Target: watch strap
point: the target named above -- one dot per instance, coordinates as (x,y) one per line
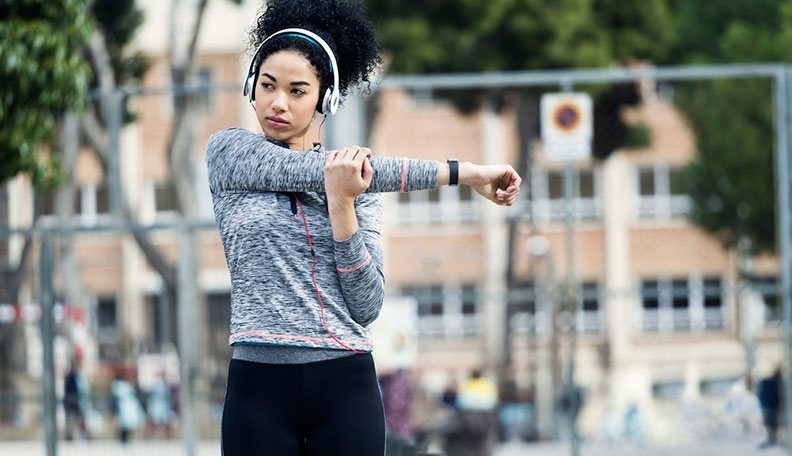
(453,168)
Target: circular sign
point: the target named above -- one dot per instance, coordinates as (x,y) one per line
(567,116)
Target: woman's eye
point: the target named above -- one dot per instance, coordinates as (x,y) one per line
(298,92)
(266,85)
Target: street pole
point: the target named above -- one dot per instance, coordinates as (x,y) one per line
(570,191)
(47,298)
(570,295)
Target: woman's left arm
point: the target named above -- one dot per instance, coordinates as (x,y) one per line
(358,257)
(356,221)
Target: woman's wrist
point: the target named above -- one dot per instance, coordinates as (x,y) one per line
(467,173)
(343,218)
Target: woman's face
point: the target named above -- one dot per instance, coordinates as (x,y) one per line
(287,91)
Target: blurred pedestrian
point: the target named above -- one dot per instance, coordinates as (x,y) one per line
(76,400)
(770,395)
(302,233)
(471,427)
(128,409)
(633,426)
(397,395)
(450,394)
(160,406)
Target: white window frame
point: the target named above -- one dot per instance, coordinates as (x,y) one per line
(661,205)
(448,210)
(89,213)
(452,322)
(695,318)
(545,208)
(590,321)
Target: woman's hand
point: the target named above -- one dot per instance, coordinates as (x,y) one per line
(348,173)
(498,183)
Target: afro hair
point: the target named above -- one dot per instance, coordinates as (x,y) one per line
(343,24)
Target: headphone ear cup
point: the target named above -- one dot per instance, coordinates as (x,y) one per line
(250,87)
(325,102)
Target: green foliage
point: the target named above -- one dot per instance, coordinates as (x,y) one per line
(501,35)
(430,36)
(43,75)
(731,181)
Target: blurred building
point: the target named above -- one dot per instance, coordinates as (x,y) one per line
(657,312)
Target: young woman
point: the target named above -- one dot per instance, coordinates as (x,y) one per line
(302,233)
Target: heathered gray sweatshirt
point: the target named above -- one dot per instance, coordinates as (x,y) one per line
(259,189)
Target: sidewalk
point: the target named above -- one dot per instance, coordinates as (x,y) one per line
(727,448)
(212,448)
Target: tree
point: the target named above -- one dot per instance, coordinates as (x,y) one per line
(500,35)
(731,180)
(44,75)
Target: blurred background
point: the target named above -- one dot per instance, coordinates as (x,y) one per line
(634,301)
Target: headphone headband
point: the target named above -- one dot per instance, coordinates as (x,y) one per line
(332,96)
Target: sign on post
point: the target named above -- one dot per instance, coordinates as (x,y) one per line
(567,126)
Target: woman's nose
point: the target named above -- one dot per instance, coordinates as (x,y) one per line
(279,101)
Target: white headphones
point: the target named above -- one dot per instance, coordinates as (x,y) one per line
(328,104)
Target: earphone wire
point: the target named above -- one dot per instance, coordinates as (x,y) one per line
(319,133)
(316,287)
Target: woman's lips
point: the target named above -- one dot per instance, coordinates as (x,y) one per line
(277,122)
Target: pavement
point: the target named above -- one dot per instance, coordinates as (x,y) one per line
(212,448)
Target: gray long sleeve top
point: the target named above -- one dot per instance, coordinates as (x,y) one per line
(255,185)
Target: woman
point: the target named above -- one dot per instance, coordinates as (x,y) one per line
(302,233)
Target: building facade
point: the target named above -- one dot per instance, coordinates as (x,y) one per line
(660,314)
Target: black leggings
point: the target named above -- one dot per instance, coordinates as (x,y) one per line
(331,407)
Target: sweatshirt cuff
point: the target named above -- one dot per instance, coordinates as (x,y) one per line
(351,254)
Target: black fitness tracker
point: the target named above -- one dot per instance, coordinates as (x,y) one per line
(453,168)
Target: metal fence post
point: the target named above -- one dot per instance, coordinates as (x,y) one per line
(46,298)
(783,163)
(187,337)
(570,193)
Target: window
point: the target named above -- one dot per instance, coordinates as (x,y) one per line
(586,189)
(769,290)
(469,298)
(717,387)
(646,182)
(43,203)
(713,303)
(450,310)
(203,79)
(661,192)
(92,200)
(522,308)
(589,312)
(555,185)
(680,303)
(693,303)
(165,198)
(548,191)
(445,205)
(670,390)
(107,317)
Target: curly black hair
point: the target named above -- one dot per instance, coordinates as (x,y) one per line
(343,24)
